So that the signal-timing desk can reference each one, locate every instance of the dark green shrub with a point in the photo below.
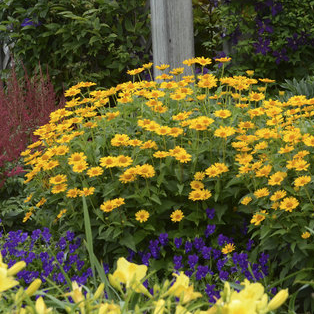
(94, 40)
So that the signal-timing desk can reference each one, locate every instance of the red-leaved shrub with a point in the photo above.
(25, 104)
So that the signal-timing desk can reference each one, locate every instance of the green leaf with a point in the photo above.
(128, 241)
(155, 198)
(94, 39)
(128, 25)
(180, 188)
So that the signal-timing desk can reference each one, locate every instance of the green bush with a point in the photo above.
(90, 40)
(167, 151)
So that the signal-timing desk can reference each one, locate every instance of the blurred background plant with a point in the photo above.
(77, 40)
(273, 37)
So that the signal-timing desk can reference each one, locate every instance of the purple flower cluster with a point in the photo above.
(202, 258)
(43, 255)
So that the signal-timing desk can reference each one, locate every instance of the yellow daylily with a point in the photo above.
(109, 308)
(129, 274)
(182, 289)
(6, 282)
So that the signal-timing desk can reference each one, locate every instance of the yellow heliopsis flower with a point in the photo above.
(196, 185)
(305, 235)
(261, 192)
(108, 162)
(142, 215)
(94, 172)
(146, 171)
(301, 181)
(289, 203)
(162, 67)
(177, 215)
(58, 179)
(258, 218)
(76, 157)
(246, 200)
(80, 166)
(59, 188)
(228, 248)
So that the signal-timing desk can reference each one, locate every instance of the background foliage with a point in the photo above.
(78, 40)
(273, 37)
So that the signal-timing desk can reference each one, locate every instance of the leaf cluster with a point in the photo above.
(94, 40)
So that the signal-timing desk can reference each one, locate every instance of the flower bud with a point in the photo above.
(278, 300)
(99, 291)
(33, 287)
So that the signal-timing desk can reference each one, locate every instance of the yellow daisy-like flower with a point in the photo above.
(224, 132)
(62, 150)
(87, 191)
(108, 162)
(123, 161)
(256, 96)
(278, 195)
(162, 67)
(301, 181)
(76, 157)
(142, 215)
(58, 179)
(196, 185)
(146, 171)
(50, 165)
(80, 166)
(199, 176)
(41, 202)
(120, 140)
(277, 178)
(59, 188)
(261, 192)
(289, 203)
(258, 218)
(72, 193)
(223, 59)
(118, 201)
(203, 61)
(199, 195)
(228, 248)
(94, 172)
(177, 215)
(305, 235)
(107, 206)
(161, 154)
(183, 157)
(246, 200)
(127, 177)
(222, 113)
(212, 171)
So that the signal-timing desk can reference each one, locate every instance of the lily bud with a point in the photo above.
(33, 287)
(278, 300)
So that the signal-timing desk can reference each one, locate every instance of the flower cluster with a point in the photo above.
(44, 257)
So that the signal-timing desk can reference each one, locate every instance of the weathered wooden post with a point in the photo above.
(172, 32)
